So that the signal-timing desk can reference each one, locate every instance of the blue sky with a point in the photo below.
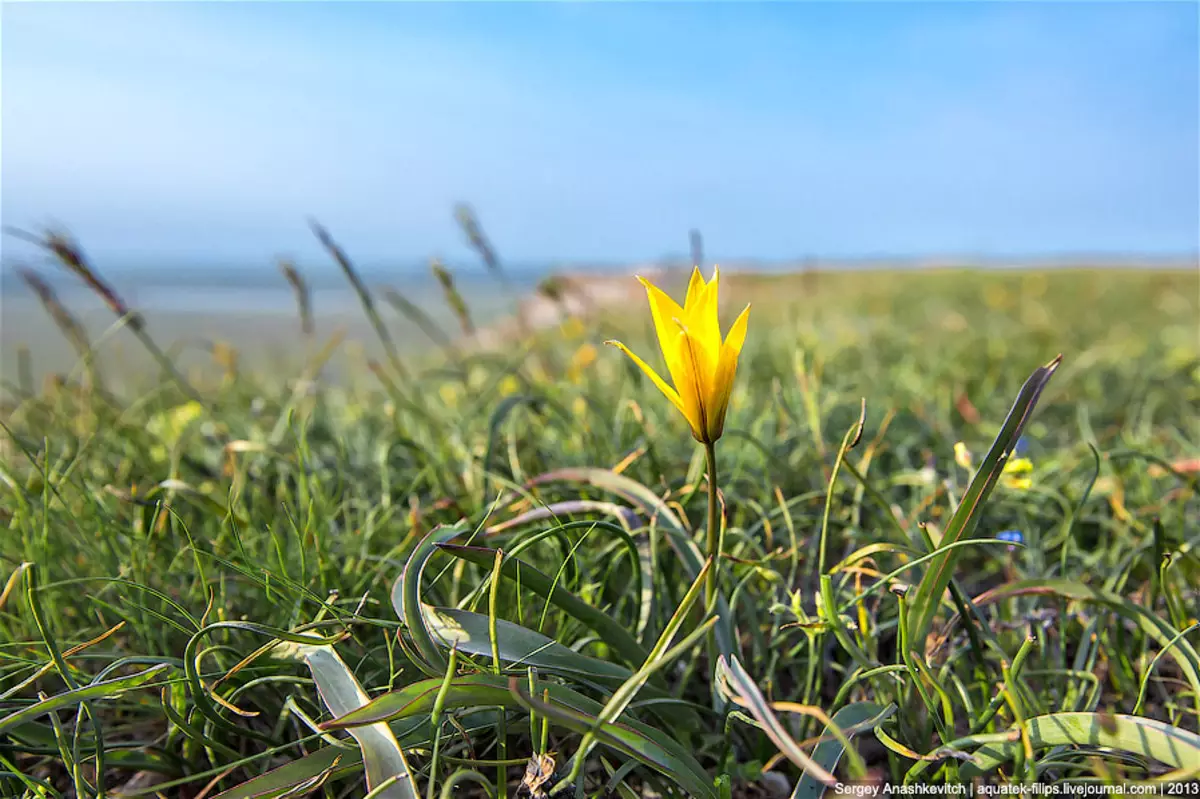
(210, 131)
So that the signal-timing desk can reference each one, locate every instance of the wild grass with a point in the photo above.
(502, 551)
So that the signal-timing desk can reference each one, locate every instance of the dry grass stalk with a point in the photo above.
(453, 298)
(364, 295)
(303, 294)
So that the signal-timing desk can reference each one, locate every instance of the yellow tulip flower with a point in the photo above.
(700, 364)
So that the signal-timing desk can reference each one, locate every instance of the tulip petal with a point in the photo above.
(737, 334)
(726, 371)
(704, 326)
(661, 305)
(667, 391)
(694, 386)
(665, 311)
(696, 285)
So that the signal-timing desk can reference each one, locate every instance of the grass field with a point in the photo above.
(199, 586)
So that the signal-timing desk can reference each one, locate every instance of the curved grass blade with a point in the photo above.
(927, 598)
(106, 689)
(1139, 736)
(556, 509)
(529, 577)
(627, 520)
(852, 720)
(519, 646)
(406, 600)
(654, 508)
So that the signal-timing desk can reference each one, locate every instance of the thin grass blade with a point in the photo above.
(927, 598)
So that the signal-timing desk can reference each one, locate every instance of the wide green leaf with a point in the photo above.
(1133, 734)
(489, 690)
(608, 628)
(331, 759)
(436, 629)
(381, 754)
(671, 759)
(852, 720)
(406, 600)
(519, 646)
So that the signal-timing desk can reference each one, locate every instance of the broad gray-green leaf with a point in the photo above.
(519, 646)
(1139, 736)
(852, 720)
(342, 694)
(406, 599)
(513, 568)
(310, 767)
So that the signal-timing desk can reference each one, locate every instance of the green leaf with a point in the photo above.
(1133, 734)
(435, 629)
(406, 599)
(416, 699)
(852, 720)
(653, 507)
(332, 760)
(381, 754)
(489, 690)
(926, 599)
(658, 658)
(671, 759)
(640, 554)
(1178, 647)
(608, 628)
(519, 646)
(105, 689)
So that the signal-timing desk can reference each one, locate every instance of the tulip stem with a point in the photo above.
(714, 528)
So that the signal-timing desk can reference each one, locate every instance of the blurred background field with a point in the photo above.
(1114, 312)
(1105, 304)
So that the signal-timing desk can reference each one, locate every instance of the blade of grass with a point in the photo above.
(926, 600)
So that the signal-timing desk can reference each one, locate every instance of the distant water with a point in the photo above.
(255, 312)
(264, 291)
